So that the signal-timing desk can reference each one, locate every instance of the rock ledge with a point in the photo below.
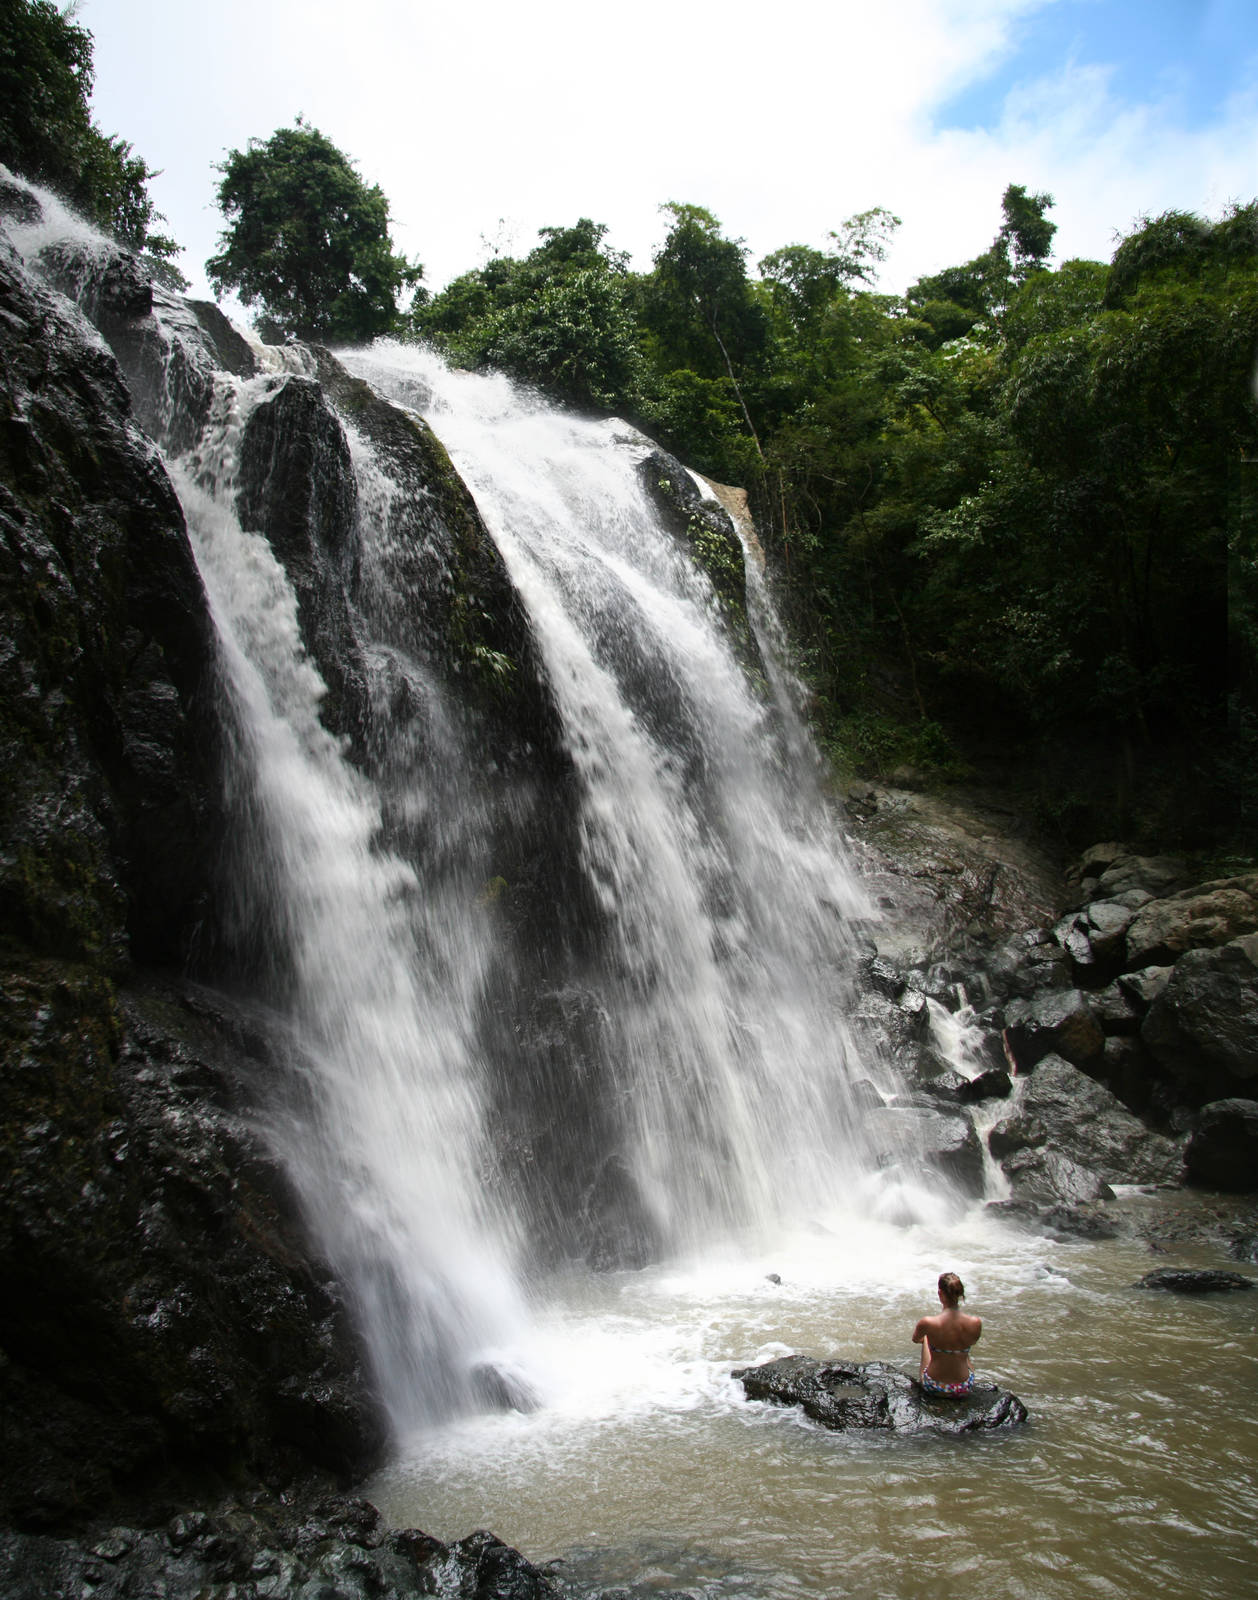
(872, 1394)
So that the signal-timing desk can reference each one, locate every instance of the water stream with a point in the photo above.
(1135, 1473)
(725, 887)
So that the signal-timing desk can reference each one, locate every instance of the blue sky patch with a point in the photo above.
(1194, 53)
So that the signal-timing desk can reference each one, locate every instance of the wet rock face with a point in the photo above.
(161, 1317)
(168, 347)
(704, 526)
(297, 488)
(874, 1395)
(332, 1548)
(161, 1312)
(108, 814)
(1223, 1148)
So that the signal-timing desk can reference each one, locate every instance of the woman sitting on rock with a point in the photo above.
(946, 1342)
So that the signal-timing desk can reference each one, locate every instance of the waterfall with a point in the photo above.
(583, 1000)
(379, 1121)
(726, 894)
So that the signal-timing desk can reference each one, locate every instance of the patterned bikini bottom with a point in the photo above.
(949, 1391)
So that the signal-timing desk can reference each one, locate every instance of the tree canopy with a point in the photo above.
(47, 132)
(1003, 503)
(308, 240)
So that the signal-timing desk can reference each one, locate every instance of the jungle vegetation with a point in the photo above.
(1012, 512)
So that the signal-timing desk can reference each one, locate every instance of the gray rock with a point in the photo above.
(874, 1395)
(1061, 1024)
(1046, 1179)
(1106, 922)
(1131, 1072)
(301, 1548)
(1203, 1027)
(901, 1029)
(1085, 1122)
(1206, 916)
(881, 974)
(1113, 1009)
(948, 1087)
(994, 1084)
(1097, 857)
(1156, 875)
(1143, 987)
(1223, 1149)
(1193, 1280)
(1078, 1222)
(1072, 934)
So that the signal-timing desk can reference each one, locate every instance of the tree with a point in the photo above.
(560, 318)
(308, 240)
(47, 132)
(951, 302)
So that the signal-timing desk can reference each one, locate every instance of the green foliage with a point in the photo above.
(561, 318)
(954, 301)
(308, 241)
(47, 132)
(698, 303)
(876, 744)
(1002, 505)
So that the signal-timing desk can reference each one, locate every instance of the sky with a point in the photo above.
(485, 120)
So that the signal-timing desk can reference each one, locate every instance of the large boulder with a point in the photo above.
(1069, 1113)
(1127, 872)
(1207, 916)
(874, 1395)
(1061, 1023)
(1045, 1180)
(1203, 1027)
(1223, 1148)
(944, 1139)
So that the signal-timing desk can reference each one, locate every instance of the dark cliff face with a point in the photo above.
(165, 1320)
(108, 807)
(161, 1315)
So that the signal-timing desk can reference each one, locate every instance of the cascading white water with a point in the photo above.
(723, 884)
(384, 1131)
(723, 1058)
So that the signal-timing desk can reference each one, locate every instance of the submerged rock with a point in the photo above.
(873, 1394)
(1189, 1280)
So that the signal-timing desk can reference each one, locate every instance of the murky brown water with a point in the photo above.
(1137, 1474)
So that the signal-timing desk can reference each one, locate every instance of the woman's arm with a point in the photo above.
(921, 1335)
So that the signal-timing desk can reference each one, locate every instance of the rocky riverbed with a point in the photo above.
(1107, 1011)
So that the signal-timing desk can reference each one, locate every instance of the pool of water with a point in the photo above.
(645, 1463)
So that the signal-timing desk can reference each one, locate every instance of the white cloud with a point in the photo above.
(784, 121)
